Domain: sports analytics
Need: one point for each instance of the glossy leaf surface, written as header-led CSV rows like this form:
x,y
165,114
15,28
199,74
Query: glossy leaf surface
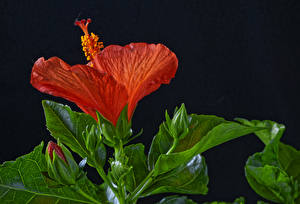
x,y
289,159
22,181
68,126
275,172
267,177
205,132
199,126
270,131
137,160
190,178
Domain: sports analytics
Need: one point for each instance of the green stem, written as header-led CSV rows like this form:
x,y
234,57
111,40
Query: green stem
x,y
122,194
174,145
118,151
143,185
148,180
87,196
121,187
106,179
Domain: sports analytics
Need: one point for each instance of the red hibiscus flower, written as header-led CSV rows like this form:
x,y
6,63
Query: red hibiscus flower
x,y
114,77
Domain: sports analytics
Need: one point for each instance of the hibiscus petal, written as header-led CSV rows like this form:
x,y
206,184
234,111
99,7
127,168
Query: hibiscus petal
x,y
140,67
81,84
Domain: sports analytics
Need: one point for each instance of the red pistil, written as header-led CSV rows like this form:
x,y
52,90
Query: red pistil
x,y
83,24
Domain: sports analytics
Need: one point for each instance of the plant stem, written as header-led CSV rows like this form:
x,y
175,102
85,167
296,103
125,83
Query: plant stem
x,y
148,180
143,185
122,194
174,145
102,174
121,186
87,196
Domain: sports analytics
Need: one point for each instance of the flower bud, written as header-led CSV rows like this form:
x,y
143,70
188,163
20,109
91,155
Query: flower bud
x,y
57,149
119,133
107,129
61,165
178,127
91,138
94,144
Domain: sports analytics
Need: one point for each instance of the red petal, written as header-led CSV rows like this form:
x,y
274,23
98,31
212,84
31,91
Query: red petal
x,y
52,146
81,84
140,67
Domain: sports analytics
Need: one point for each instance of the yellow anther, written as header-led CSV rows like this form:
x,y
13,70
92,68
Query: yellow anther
x,y
89,42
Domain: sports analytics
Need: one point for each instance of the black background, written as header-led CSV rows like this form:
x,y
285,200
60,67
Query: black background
x,y
236,58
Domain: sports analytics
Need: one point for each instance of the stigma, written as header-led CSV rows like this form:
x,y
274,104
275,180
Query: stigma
x,y
89,42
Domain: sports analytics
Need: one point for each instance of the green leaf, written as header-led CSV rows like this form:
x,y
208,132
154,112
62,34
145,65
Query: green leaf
x,y
199,126
271,129
176,200
137,160
190,178
289,159
272,183
107,193
22,181
274,173
240,200
267,178
261,202
219,134
288,156
68,126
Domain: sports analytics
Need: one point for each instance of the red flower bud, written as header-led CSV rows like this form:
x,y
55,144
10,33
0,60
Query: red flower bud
x,y
52,146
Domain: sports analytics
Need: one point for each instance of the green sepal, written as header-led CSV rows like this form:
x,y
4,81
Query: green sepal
x,y
119,168
123,126
122,174
94,144
100,154
65,173
178,127
107,129
70,159
91,138
62,173
117,135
